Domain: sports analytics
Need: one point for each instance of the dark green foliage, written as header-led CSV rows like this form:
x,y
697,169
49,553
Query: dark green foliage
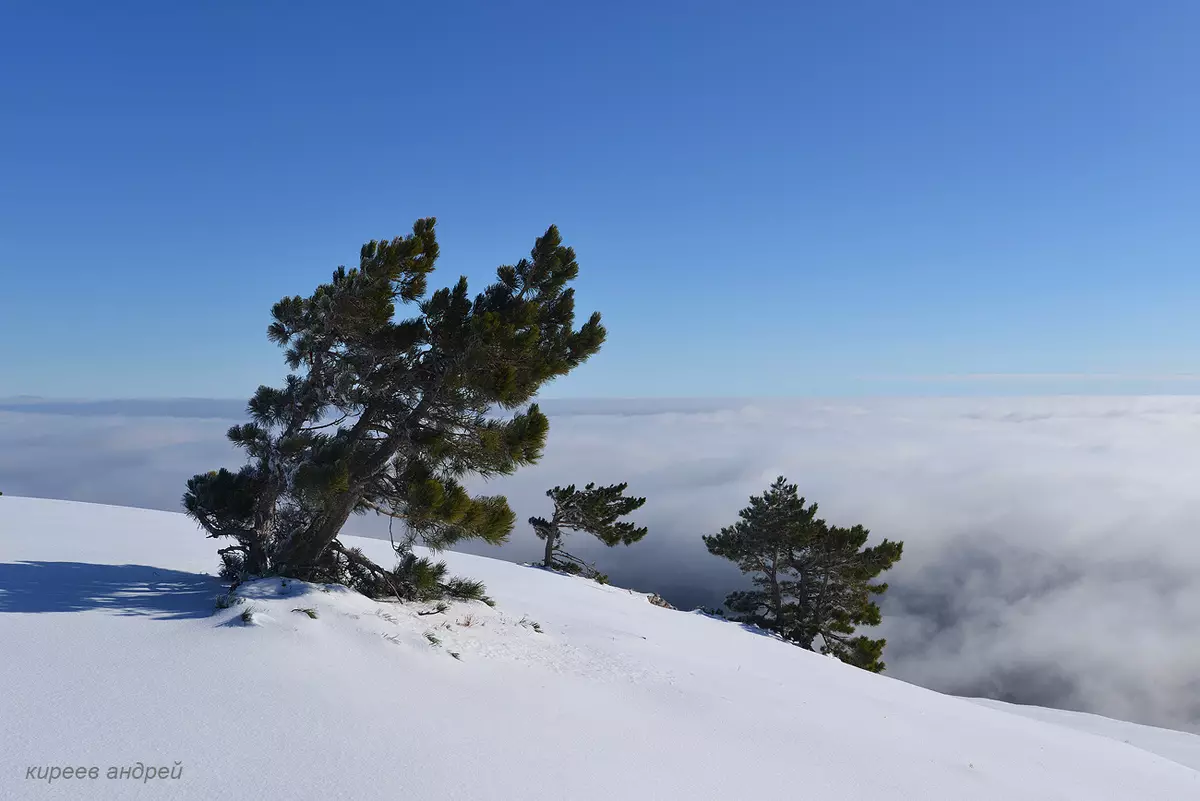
x,y
389,415
810,579
595,510
464,589
419,578
233,565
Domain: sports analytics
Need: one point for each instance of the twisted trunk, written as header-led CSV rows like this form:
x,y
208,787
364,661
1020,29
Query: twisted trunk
x,y
304,549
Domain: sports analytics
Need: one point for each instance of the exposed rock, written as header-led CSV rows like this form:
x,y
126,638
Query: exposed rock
x,y
658,600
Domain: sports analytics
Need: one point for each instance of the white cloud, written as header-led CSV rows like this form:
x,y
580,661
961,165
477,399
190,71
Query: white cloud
x,y
1050,552
1050,549
122,460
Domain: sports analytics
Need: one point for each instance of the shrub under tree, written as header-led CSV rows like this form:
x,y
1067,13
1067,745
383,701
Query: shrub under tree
x,y
810,579
594,510
388,415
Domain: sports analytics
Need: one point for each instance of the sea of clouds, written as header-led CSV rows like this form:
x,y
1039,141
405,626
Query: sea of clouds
x,y
1051,554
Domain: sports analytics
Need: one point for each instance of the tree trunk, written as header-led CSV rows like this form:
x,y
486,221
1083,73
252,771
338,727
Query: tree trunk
x,y
256,558
302,551
776,595
551,541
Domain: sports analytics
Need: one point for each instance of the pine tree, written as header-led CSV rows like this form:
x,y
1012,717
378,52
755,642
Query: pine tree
x,y
388,415
810,579
595,510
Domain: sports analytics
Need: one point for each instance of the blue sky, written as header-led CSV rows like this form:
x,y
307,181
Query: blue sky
x,y
766,199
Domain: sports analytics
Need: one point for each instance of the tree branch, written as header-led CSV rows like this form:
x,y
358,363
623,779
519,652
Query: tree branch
x,y
339,421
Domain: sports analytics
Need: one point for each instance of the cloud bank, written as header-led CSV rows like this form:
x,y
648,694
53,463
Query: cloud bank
x,y
1050,557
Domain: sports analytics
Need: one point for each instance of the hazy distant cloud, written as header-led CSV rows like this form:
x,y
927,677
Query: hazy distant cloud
x,y
201,408
1050,552
127,461
1186,377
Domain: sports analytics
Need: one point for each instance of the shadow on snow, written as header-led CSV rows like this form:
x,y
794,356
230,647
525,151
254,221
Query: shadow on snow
x,y
122,589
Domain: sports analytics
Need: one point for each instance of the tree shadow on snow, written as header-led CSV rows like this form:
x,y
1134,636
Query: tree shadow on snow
x,y
122,589
750,627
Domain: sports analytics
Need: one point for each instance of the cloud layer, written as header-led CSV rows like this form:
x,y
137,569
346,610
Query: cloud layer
x,y
1050,556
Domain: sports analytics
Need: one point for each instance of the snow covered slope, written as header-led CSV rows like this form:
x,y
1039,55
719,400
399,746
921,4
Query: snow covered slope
x,y
1176,745
112,654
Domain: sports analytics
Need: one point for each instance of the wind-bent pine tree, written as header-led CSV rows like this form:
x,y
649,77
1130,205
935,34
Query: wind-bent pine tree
x,y
387,415
594,510
810,579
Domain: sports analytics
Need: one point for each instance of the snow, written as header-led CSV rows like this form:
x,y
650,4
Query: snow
x,y
112,653
1175,745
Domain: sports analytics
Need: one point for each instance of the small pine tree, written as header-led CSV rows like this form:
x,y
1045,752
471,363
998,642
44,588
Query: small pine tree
x,y
595,510
810,579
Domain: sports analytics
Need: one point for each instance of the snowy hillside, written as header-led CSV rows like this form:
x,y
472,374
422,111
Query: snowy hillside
x,y
112,654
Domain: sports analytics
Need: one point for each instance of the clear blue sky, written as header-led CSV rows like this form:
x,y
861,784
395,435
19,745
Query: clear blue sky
x,y
766,199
